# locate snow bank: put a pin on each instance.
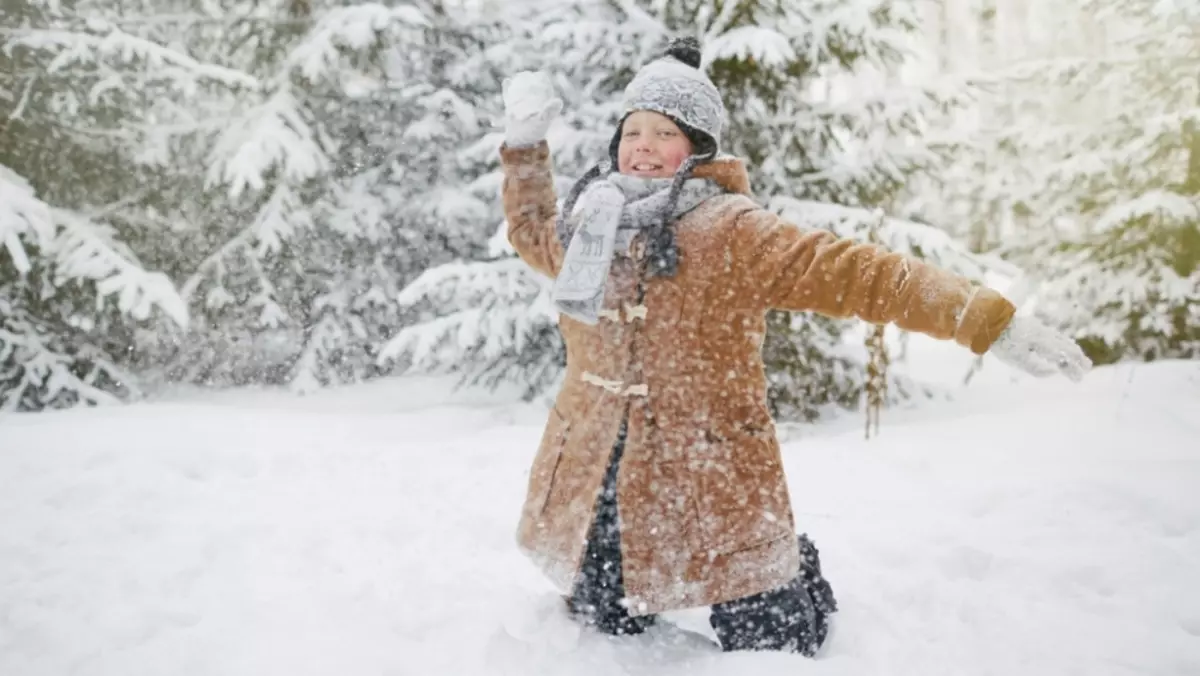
(1042, 528)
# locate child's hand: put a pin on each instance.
(529, 108)
(1039, 350)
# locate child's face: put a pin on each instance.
(652, 146)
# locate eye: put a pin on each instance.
(629, 134)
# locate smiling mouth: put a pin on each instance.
(645, 166)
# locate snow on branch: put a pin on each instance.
(279, 218)
(103, 40)
(751, 43)
(467, 283)
(275, 222)
(458, 340)
(500, 304)
(1161, 205)
(355, 28)
(81, 249)
(86, 250)
(34, 374)
(273, 135)
(22, 213)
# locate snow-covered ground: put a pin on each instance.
(1031, 528)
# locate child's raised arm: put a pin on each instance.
(528, 191)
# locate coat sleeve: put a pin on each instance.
(530, 206)
(795, 269)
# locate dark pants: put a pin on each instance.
(793, 618)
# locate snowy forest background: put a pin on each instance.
(305, 192)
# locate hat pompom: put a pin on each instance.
(685, 49)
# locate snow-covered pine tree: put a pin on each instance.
(820, 159)
(321, 131)
(291, 281)
(294, 162)
(1101, 150)
(1126, 280)
(399, 111)
(403, 201)
(71, 289)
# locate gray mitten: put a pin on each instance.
(529, 107)
(1039, 350)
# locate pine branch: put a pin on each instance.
(105, 40)
(19, 109)
(83, 250)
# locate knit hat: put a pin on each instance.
(675, 86)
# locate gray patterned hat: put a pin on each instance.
(675, 86)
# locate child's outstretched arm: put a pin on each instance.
(790, 268)
(528, 190)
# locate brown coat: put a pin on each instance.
(705, 511)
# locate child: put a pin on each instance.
(658, 482)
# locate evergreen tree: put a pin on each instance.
(290, 164)
(310, 178)
(1127, 279)
(1095, 173)
(71, 288)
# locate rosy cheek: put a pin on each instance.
(677, 154)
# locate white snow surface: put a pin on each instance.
(1026, 528)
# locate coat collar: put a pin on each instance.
(728, 172)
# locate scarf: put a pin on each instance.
(609, 213)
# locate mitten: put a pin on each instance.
(529, 107)
(1039, 350)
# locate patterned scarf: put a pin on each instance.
(609, 212)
